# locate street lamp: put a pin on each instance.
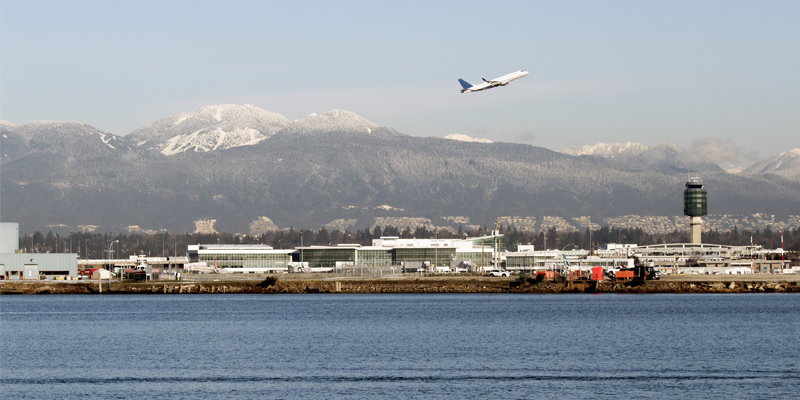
(301, 250)
(70, 242)
(109, 251)
(436, 251)
(86, 254)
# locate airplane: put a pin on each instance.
(501, 81)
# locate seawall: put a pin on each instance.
(420, 285)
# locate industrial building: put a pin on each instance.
(15, 265)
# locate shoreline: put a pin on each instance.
(676, 284)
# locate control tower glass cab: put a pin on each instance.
(695, 205)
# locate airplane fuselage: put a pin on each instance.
(488, 84)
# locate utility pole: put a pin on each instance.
(436, 251)
(495, 255)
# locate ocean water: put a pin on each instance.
(400, 346)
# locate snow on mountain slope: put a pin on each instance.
(607, 150)
(785, 164)
(330, 122)
(209, 128)
(464, 138)
(58, 137)
(668, 155)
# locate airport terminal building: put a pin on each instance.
(384, 252)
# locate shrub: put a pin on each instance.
(270, 281)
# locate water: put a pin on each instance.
(400, 346)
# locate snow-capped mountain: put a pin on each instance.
(330, 122)
(209, 128)
(338, 166)
(464, 138)
(668, 155)
(785, 164)
(607, 150)
(71, 137)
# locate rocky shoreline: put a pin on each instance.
(397, 286)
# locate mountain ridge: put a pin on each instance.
(341, 167)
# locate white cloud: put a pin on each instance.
(719, 151)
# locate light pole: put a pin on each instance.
(174, 248)
(109, 252)
(301, 250)
(436, 251)
(70, 242)
(86, 254)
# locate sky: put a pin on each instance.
(716, 77)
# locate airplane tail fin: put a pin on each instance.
(565, 259)
(464, 84)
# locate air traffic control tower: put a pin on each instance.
(695, 205)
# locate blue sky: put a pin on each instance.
(720, 74)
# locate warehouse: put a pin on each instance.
(31, 266)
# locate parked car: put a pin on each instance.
(499, 272)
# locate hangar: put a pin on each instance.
(31, 266)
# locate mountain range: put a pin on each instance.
(240, 168)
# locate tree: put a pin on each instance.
(322, 237)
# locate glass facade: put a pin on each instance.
(438, 256)
(375, 257)
(524, 262)
(476, 257)
(277, 261)
(325, 257)
(488, 242)
(695, 200)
